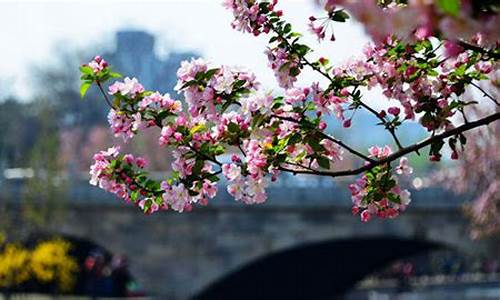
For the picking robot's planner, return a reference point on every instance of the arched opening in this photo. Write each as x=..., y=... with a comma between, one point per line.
x=323, y=270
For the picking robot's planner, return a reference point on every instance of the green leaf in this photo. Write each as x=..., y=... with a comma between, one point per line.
x=213, y=178
x=323, y=162
x=87, y=70
x=233, y=127
x=394, y=198
x=134, y=195
x=225, y=106
x=451, y=7
x=84, y=88
x=197, y=128
x=314, y=143
x=294, y=139
x=257, y=120
x=288, y=28
x=188, y=84
x=294, y=71
x=284, y=66
x=198, y=165
x=218, y=150
x=340, y=16
x=115, y=75
x=302, y=50
x=210, y=73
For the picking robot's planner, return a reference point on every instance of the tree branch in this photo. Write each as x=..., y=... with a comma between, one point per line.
x=490, y=53
x=426, y=142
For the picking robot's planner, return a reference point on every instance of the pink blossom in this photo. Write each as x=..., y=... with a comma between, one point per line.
x=141, y=162
x=393, y=110
x=452, y=49
x=231, y=171
x=128, y=88
x=129, y=159
x=98, y=64
x=404, y=167
x=295, y=95
x=365, y=216
x=120, y=124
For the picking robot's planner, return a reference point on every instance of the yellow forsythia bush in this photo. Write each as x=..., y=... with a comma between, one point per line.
x=14, y=265
x=48, y=262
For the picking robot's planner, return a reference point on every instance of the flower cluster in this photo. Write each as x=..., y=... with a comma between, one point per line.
x=377, y=192
x=205, y=90
x=329, y=102
x=251, y=16
x=128, y=88
x=285, y=66
x=424, y=83
x=247, y=176
x=98, y=64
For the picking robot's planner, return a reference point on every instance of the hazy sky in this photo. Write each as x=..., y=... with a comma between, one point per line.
x=30, y=31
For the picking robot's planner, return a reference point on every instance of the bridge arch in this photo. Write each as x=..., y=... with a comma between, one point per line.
x=319, y=270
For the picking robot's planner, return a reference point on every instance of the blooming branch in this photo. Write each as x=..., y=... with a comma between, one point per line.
x=226, y=112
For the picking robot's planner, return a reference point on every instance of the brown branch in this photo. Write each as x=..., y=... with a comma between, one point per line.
x=490, y=53
x=424, y=143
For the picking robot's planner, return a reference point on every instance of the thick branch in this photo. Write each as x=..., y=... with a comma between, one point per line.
x=465, y=127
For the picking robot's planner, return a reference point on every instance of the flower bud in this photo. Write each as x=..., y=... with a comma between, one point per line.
x=394, y=111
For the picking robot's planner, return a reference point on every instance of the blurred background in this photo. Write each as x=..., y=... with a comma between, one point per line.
x=61, y=236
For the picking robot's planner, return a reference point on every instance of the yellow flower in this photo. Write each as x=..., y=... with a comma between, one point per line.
x=50, y=262
x=14, y=265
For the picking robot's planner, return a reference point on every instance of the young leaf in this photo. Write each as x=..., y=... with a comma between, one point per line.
x=451, y=7
x=84, y=88
x=323, y=162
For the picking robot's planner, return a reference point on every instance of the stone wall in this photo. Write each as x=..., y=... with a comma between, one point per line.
x=176, y=255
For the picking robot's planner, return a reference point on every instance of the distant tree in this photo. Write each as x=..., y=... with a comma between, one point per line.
x=44, y=196
x=19, y=128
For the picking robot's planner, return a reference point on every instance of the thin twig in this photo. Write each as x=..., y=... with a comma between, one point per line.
x=104, y=94
x=391, y=129
x=485, y=94
x=241, y=149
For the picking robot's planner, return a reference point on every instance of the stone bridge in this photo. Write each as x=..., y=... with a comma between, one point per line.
x=178, y=255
